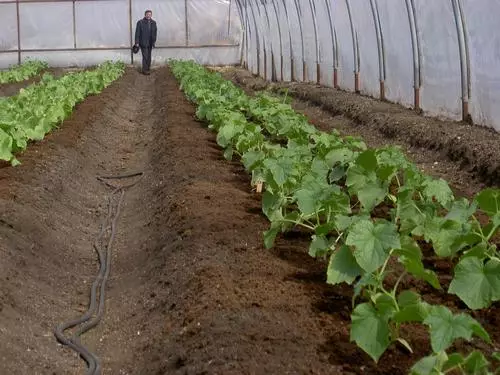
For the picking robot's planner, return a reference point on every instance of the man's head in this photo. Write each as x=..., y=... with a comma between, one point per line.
x=148, y=14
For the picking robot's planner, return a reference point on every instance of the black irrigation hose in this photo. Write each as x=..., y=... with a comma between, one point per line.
x=109, y=223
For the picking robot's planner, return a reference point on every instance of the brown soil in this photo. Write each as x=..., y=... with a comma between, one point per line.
x=192, y=290
x=10, y=89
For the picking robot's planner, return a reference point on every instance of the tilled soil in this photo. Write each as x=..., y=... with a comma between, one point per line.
x=192, y=290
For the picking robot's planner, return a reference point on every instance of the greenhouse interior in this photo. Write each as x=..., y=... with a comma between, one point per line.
x=249, y=187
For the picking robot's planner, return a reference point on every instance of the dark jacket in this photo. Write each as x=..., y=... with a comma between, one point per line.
x=145, y=33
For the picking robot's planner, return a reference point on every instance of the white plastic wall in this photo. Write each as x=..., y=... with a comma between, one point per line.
x=440, y=56
x=86, y=32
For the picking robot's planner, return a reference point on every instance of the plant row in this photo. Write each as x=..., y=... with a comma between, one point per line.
x=38, y=109
x=335, y=188
x=22, y=72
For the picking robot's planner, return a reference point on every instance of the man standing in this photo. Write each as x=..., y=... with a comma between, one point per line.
x=145, y=37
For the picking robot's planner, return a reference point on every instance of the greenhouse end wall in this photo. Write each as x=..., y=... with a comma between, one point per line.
x=440, y=57
x=86, y=32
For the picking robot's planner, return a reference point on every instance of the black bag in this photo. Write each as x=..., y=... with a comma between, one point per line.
x=135, y=49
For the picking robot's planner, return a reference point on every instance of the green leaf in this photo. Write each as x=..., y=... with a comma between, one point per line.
x=277, y=171
x=475, y=363
x=461, y=210
x=431, y=365
x=320, y=245
x=306, y=200
x=410, y=256
x=411, y=308
x=337, y=173
x=251, y=158
x=372, y=242
x=341, y=155
x=5, y=146
x=371, y=195
x=446, y=327
x=385, y=305
x=342, y=267
x=271, y=206
x=476, y=283
x=489, y=201
x=324, y=229
x=228, y=153
x=367, y=160
x=438, y=189
x=454, y=359
x=270, y=235
x=370, y=330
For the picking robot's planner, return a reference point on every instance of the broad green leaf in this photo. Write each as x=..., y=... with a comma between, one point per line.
x=372, y=242
x=368, y=279
x=324, y=229
x=342, y=222
x=371, y=195
x=370, y=330
x=250, y=158
x=461, y=210
x=367, y=160
x=320, y=245
x=228, y=153
x=409, y=212
x=392, y=156
x=385, y=305
x=337, y=173
x=342, y=267
x=5, y=146
x=271, y=205
x=444, y=235
x=411, y=308
x=430, y=365
x=454, y=360
x=476, y=283
x=270, y=235
x=358, y=177
x=410, y=256
x=446, y=327
x=307, y=201
x=277, y=171
x=475, y=363
x=439, y=190
x=320, y=168
x=489, y=201
x=341, y=155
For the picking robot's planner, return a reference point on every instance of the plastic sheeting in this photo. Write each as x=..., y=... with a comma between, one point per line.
x=8, y=36
x=113, y=13
x=219, y=22
x=440, y=67
x=52, y=30
x=441, y=56
x=484, y=44
x=67, y=33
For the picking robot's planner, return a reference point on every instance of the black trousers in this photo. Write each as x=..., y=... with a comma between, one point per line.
x=146, y=58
